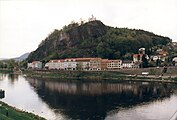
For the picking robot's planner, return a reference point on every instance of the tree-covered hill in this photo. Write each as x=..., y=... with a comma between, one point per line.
x=94, y=39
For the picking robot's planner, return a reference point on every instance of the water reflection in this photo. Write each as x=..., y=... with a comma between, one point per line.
x=88, y=100
x=13, y=78
x=20, y=94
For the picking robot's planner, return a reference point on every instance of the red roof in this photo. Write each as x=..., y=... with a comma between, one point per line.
x=136, y=55
x=85, y=59
x=35, y=62
x=106, y=60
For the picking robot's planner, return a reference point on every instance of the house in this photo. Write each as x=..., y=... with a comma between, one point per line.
x=95, y=64
x=114, y=64
x=137, y=58
x=155, y=57
x=70, y=64
x=127, y=64
x=104, y=63
x=163, y=55
x=174, y=60
x=141, y=51
x=75, y=64
x=55, y=65
x=83, y=63
x=34, y=65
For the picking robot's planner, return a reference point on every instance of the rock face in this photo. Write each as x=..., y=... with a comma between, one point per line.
x=94, y=39
x=63, y=41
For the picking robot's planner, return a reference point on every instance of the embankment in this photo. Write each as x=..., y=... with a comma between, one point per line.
x=104, y=75
x=10, y=113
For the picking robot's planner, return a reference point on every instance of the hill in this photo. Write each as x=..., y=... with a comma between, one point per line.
x=94, y=39
x=22, y=57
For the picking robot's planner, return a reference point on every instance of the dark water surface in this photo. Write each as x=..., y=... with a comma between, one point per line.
x=60, y=100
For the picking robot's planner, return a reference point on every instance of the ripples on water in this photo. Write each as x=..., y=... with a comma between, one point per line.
x=90, y=100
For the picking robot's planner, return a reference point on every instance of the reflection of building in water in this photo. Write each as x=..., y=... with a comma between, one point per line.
x=85, y=88
x=13, y=77
x=91, y=100
x=89, y=88
x=2, y=76
x=92, y=88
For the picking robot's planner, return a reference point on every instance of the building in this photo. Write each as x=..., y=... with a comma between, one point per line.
x=83, y=63
x=73, y=64
x=104, y=63
x=137, y=58
x=174, y=60
x=114, y=64
x=155, y=58
x=55, y=65
x=35, y=65
x=95, y=64
x=70, y=64
x=162, y=55
x=141, y=51
x=127, y=64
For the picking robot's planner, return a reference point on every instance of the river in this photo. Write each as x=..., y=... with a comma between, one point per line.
x=83, y=100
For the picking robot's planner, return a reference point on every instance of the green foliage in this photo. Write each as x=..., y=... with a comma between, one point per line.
x=158, y=62
x=94, y=39
x=8, y=64
x=144, y=61
x=103, y=50
x=10, y=113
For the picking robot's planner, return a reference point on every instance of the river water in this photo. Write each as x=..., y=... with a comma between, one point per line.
x=81, y=100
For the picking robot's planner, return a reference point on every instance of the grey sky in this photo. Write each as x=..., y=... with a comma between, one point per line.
x=25, y=23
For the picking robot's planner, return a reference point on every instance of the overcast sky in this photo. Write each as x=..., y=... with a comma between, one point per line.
x=25, y=23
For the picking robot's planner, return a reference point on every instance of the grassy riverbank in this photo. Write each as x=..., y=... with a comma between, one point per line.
x=93, y=75
x=100, y=75
x=10, y=113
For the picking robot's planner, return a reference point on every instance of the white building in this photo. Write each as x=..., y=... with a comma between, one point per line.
x=127, y=64
x=114, y=64
x=35, y=65
x=70, y=64
x=83, y=63
x=55, y=65
x=141, y=51
x=175, y=61
x=86, y=64
x=155, y=58
x=95, y=64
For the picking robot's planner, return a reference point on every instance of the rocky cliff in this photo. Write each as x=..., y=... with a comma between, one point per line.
x=94, y=39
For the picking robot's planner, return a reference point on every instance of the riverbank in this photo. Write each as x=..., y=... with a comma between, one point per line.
x=155, y=74
x=10, y=113
x=101, y=75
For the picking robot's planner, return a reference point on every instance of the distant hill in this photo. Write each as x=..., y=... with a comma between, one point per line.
x=22, y=57
x=94, y=39
x=3, y=58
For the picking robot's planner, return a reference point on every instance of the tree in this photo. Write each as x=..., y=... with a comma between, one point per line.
x=144, y=61
x=117, y=54
x=103, y=50
x=158, y=62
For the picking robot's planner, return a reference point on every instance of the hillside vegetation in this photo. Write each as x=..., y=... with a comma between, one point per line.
x=94, y=39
